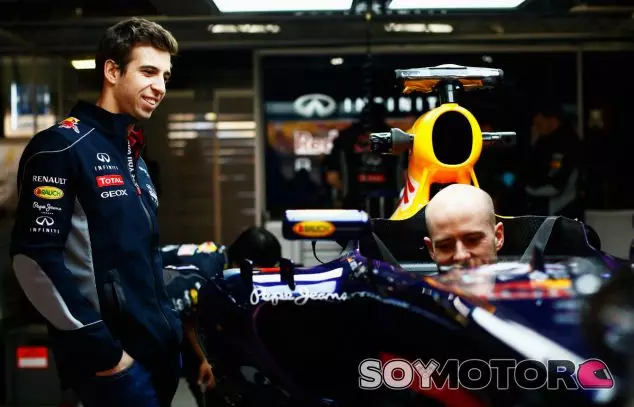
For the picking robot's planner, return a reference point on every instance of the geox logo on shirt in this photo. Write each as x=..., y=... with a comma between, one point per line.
x=114, y=193
x=49, y=180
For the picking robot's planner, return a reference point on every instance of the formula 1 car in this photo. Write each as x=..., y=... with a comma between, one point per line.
x=382, y=325
x=302, y=336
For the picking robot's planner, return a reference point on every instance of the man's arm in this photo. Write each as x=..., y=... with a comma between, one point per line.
x=189, y=326
x=205, y=371
x=44, y=220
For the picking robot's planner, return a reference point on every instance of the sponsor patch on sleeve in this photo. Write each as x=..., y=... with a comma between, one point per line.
x=69, y=123
x=48, y=192
x=44, y=224
x=109, y=180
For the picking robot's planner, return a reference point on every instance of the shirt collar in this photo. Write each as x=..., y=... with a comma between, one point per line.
x=113, y=125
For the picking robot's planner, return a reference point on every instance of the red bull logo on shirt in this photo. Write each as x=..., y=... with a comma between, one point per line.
x=69, y=123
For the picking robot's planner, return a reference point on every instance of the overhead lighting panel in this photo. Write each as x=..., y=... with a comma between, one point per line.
x=244, y=28
x=453, y=4
x=434, y=28
x=83, y=63
x=253, y=6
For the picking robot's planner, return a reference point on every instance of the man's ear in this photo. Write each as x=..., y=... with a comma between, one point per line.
x=111, y=71
x=499, y=236
x=430, y=247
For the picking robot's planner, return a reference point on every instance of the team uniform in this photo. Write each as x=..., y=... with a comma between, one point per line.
x=85, y=251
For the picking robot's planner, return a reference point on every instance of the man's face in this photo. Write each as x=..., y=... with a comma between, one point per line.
x=140, y=89
x=464, y=237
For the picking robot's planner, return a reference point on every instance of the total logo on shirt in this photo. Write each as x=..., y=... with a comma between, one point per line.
x=109, y=180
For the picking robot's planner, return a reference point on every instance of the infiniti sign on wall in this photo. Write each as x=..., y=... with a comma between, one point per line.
x=322, y=106
x=315, y=105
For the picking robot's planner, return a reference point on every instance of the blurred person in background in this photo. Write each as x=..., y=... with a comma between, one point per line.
x=188, y=267
x=553, y=168
x=360, y=176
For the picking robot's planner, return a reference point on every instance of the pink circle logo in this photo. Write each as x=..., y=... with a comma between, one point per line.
x=594, y=374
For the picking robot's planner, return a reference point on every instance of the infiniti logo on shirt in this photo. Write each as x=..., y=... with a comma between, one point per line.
x=44, y=221
x=103, y=157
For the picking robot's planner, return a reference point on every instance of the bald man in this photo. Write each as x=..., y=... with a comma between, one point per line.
x=461, y=226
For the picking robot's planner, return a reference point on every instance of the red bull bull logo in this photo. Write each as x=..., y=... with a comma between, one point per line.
x=69, y=123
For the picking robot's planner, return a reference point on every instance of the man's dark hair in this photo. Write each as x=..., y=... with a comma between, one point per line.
x=119, y=40
x=256, y=244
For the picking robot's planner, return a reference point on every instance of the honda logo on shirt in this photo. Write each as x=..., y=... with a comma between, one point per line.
x=315, y=104
x=109, y=180
x=103, y=157
x=45, y=221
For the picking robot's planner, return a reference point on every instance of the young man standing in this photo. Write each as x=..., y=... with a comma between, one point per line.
x=85, y=241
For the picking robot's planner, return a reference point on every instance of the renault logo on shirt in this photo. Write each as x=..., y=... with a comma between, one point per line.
x=103, y=157
x=45, y=221
x=46, y=179
x=315, y=104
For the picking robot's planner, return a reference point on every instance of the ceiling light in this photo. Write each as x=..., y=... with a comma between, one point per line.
x=245, y=6
x=453, y=4
x=83, y=63
x=419, y=28
x=243, y=28
x=336, y=61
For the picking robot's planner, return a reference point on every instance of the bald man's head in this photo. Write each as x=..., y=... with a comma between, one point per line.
x=461, y=224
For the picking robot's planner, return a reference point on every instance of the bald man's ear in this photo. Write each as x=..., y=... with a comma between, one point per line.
x=499, y=236
x=430, y=247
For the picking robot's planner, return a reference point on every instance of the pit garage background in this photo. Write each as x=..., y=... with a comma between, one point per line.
x=232, y=147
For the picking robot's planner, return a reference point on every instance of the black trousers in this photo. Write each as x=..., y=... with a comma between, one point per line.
x=150, y=384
